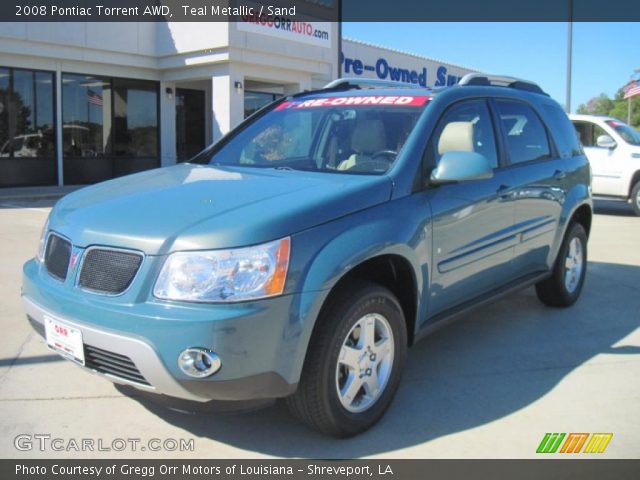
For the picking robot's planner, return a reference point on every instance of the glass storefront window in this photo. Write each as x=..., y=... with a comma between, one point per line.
x=110, y=127
x=135, y=125
x=254, y=101
x=86, y=129
x=27, y=139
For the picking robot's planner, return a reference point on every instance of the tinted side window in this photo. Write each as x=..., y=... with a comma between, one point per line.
x=525, y=133
x=562, y=130
x=466, y=126
x=588, y=133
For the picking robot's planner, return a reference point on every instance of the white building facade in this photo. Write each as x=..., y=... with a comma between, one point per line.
x=85, y=102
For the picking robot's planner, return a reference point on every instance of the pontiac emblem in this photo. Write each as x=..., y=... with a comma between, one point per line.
x=73, y=260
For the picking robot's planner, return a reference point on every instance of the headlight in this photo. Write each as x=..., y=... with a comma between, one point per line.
x=225, y=275
x=43, y=241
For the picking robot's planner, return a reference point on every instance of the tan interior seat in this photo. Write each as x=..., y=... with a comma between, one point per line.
x=368, y=137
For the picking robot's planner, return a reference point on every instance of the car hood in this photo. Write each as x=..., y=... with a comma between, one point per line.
x=192, y=207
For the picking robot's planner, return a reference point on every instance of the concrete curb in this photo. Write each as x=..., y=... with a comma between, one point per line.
x=36, y=193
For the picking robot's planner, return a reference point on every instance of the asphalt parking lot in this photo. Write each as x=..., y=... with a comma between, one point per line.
x=489, y=386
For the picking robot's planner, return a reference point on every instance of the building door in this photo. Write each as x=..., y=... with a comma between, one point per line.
x=190, y=123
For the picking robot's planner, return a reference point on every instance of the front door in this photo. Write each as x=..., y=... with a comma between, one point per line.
x=606, y=171
x=190, y=123
x=473, y=242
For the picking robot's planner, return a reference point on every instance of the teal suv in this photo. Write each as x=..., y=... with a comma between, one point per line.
x=301, y=255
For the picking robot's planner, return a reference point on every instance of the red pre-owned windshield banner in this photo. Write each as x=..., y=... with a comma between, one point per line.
x=361, y=100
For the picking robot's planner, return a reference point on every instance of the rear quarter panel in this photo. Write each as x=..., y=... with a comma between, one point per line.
x=578, y=193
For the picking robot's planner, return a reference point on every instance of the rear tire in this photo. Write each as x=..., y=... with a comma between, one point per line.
x=563, y=287
x=635, y=199
x=354, y=362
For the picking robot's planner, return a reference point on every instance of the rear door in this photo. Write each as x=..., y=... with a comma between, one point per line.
x=540, y=183
x=472, y=221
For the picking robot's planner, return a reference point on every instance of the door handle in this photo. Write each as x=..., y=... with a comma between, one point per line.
x=559, y=174
x=504, y=192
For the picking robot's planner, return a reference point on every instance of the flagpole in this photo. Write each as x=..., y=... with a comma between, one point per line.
x=569, y=56
x=635, y=74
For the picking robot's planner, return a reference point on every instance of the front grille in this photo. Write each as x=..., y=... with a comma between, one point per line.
x=108, y=271
x=111, y=363
x=56, y=256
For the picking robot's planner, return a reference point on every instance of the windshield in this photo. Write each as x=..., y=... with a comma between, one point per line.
x=628, y=134
x=355, y=134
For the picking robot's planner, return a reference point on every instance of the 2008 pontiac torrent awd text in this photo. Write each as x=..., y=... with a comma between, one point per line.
x=302, y=254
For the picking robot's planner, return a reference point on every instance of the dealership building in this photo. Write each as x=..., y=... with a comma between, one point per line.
x=85, y=102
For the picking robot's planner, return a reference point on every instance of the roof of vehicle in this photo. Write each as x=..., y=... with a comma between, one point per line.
x=581, y=116
x=399, y=91
x=345, y=87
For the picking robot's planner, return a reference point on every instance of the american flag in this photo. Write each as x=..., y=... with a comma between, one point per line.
x=631, y=89
x=94, y=98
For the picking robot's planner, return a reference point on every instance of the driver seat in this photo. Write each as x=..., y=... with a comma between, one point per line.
x=368, y=137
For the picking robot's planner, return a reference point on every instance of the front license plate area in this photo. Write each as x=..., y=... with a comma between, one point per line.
x=64, y=339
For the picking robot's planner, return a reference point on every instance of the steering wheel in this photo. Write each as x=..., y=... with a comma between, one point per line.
x=371, y=165
x=384, y=153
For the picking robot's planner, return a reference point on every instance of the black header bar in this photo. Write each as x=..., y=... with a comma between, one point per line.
x=583, y=469
x=320, y=10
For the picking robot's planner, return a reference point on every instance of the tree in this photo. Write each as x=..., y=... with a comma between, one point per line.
x=617, y=108
x=14, y=116
x=600, y=105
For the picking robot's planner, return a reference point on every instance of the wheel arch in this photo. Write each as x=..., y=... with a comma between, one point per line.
x=584, y=216
x=392, y=271
x=635, y=178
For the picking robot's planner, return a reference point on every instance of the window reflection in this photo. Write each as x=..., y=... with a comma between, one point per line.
x=254, y=101
x=110, y=127
x=135, y=122
x=27, y=140
x=86, y=116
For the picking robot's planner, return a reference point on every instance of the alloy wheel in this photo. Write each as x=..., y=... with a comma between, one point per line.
x=364, y=363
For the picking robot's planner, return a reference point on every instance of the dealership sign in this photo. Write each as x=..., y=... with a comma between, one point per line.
x=363, y=60
x=267, y=22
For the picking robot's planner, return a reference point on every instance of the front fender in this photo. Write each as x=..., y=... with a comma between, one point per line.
x=326, y=253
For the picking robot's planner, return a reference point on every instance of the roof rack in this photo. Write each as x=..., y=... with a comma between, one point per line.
x=351, y=83
x=500, y=81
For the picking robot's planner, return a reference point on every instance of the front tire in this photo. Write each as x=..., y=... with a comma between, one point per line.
x=354, y=362
x=635, y=199
x=563, y=287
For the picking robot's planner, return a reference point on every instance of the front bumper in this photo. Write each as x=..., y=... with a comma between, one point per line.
x=258, y=342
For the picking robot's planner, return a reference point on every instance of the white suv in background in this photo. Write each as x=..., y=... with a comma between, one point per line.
x=613, y=149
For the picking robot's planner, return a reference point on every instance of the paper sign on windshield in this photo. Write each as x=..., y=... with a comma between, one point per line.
x=381, y=100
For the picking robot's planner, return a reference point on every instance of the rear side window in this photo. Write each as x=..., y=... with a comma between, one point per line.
x=562, y=130
x=526, y=136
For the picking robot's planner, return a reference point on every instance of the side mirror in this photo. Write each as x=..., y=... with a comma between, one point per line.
x=460, y=167
x=605, y=141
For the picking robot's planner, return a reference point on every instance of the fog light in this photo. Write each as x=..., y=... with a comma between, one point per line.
x=199, y=362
